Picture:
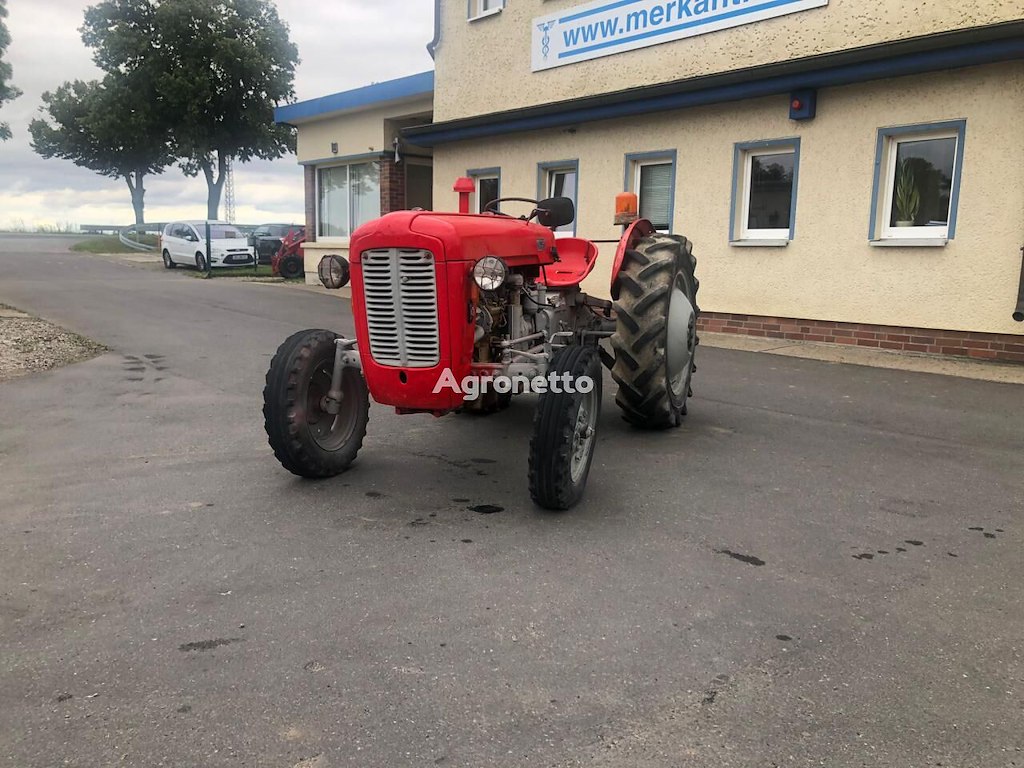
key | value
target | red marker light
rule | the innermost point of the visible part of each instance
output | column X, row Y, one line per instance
column 796, row 104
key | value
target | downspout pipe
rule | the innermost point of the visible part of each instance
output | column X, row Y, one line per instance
column 1018, row 313
column 432, row 45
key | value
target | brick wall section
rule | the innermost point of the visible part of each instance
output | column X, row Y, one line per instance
column 310, row 188
column 392, row 186
column 980, row 346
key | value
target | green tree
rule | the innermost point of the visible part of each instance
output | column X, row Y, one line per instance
column 219, row 68
column 107, row 126
column 7, row 91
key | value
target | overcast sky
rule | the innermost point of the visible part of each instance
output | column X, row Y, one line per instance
column 343, row 44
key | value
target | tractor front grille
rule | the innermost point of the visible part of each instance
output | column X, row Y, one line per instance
column 400, row 293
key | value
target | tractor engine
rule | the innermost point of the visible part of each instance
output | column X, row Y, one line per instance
column 514, row 324
column 516, row 310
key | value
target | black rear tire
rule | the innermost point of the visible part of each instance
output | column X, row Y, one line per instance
column 168, row 261
column 565, row 432
column 655, row 337
column 291, row 267
column 307, row 440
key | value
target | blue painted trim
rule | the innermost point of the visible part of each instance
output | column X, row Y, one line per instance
column 884, row 134
column 876, row 182
column 492, row 171
column 474, row 173
column 674, row 27
column 628, row 104
column 796, row 188
column 559, row 165
column 378, row 93
column 737, row 159
column 346, row 159
column 629, row 172
column 739, row 164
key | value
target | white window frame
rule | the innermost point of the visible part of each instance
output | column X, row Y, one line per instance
column 747, row 153
column 548, row 171
column 477, row 9
column 477, row 176
column 352, row 226
column 936, row 232
column 654, row 158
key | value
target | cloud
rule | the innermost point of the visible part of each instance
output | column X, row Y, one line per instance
column 343, row 44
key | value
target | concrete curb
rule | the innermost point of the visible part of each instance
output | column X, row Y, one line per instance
column 340, row 293
column 1006, row 373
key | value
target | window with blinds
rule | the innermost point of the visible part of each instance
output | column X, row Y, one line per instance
column 653, row 187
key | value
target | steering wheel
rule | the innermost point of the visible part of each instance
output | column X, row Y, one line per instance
column 492, row 207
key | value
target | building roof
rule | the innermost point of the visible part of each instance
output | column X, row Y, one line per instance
column 378, row 94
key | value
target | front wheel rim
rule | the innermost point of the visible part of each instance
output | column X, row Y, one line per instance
column 583, row 434
column 331, row 431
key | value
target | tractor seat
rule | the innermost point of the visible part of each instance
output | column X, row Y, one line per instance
column 576, row 260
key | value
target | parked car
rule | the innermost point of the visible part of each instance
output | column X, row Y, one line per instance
column 266, row 239
column 184, row 243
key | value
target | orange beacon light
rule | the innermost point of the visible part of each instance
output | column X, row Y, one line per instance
column 626, row 208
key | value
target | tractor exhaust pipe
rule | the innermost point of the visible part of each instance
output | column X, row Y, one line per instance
column 1018, row 313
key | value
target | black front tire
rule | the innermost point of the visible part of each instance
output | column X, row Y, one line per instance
column 307, row 440
column 200, row 262
column 291, row 267
column 655, row 337
column 565, row 432
column 168, row 261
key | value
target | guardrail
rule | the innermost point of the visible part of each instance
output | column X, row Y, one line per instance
column 132, row 243
column 100, row 229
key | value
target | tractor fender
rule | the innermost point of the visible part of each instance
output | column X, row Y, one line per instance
column 632, row 235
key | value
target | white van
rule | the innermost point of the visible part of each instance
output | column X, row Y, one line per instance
column 184, row 243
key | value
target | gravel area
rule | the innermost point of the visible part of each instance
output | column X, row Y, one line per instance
column 28, row 344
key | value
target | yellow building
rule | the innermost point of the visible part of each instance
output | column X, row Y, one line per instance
column 848, row 172
column 355, row 165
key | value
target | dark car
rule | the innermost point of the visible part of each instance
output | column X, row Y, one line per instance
column 266, row 239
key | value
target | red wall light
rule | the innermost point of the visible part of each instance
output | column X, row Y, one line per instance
column 803, row 104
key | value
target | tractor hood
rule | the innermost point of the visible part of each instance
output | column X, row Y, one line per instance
column 463, row 237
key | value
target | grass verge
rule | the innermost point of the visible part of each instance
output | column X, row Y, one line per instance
column 106, row 244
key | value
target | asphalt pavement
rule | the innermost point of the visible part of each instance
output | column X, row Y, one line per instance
column 821, row 567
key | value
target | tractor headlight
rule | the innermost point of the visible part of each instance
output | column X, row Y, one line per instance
column 490, row 273
column 333, row 271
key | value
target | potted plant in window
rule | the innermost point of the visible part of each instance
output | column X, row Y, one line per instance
column 907, row 197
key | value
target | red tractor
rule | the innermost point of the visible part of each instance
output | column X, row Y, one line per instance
column 441, row 299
